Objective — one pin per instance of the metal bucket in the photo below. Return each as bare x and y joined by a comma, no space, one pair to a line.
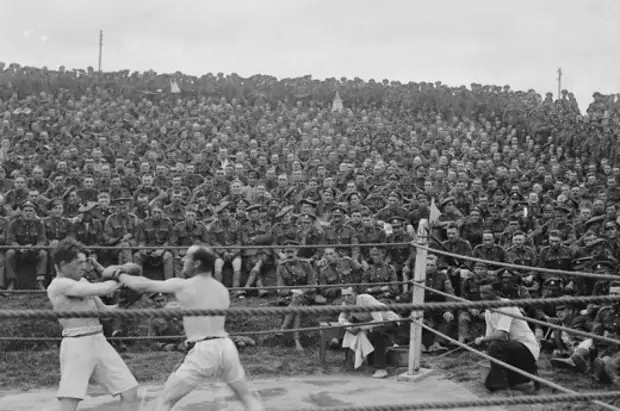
398,356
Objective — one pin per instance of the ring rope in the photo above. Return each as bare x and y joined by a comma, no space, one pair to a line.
510,367
326,309
532,320
481,402
266,288
236,334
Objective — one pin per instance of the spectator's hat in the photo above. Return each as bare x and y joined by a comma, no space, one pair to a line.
393,176
225,205
514,218
375,196
330,190
553,282
424,195
495,207
28,204
481,264
284,211
563,306
595,242
122,200
308,216
307,201
254,207
339,209
581,263
548,207
498,190
398,220
594,221
290,242
395,194
446,201
54,203
273,203
562,209
85,208
604,266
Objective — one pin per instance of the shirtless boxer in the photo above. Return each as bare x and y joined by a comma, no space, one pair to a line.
213,353
84,351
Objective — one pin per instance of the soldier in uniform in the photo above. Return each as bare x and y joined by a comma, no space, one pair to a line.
456,245
401,257
441,321
24,232
88,230
555,256
293,272
337,232
309,234
336,270
495,223
185,234
572,351
490,251
520,254
120,230
473,318
10,285
255,233
57,227
379,271
155,231
369,233
225,231
283,230
175,210
166,327
606,367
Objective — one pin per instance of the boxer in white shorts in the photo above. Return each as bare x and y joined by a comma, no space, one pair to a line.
84,351
213,353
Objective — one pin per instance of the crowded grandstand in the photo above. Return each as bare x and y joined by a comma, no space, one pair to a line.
147,164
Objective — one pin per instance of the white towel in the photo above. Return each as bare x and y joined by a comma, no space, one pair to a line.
360,344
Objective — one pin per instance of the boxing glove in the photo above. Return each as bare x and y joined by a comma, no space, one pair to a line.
131,269
111,273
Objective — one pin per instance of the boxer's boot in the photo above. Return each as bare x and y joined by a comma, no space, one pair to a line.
296,337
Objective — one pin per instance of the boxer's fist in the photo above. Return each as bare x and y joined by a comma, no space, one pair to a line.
131,269
111,273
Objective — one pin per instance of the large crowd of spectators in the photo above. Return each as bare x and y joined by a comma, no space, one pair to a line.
117,159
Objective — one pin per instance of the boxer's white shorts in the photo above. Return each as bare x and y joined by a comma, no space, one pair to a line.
92,355
216,358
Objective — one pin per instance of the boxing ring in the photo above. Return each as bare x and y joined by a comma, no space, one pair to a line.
417,308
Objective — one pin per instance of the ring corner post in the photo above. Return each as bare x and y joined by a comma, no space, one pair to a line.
414,371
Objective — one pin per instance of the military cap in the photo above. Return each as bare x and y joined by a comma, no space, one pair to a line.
424,195
603,266
495,207
445,201
27,204
580,262
225,205
290,242
393,176
122,199
553,282
548,207
307,201
563,306
594,220
340,209
562,209
514,218
308,215
595,242
497,190
525,177
85,208
395,194
253,207
330,190
397,220
284,211
481,264
375,196
158,296
515,197
54,203
273,203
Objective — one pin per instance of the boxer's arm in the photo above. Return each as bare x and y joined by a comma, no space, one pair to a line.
85,289
102,306
141,284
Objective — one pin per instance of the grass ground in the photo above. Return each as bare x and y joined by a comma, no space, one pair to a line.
26,366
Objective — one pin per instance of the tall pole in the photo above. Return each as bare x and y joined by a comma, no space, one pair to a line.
559,82
100,48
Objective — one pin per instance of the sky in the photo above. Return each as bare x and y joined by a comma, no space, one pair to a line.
521,43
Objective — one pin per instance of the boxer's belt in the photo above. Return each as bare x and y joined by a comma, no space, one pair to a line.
190,344
88,334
